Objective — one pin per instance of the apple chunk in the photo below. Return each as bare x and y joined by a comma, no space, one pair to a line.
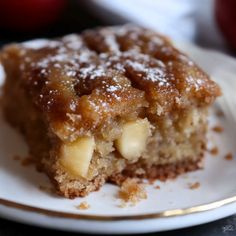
76,156
132,141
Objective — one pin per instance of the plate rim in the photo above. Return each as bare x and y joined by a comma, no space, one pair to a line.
92,217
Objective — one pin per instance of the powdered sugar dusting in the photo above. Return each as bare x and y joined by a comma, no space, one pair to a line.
65,58
2,75
151,74
113,88
128,59
73,41
110,40
92,72
71,73
40,43
157,40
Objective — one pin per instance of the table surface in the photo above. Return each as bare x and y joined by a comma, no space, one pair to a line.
225,227
75,19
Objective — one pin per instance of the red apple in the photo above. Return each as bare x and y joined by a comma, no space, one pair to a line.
226,18
29,15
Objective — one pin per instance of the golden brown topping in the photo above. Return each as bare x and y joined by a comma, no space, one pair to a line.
107,73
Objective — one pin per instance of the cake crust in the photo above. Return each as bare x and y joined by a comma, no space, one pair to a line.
160,172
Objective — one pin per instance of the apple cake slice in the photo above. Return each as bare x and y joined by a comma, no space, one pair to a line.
105,105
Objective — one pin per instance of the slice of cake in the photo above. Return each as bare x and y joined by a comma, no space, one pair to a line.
108,104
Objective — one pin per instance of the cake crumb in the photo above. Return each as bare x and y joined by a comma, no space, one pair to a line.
214,151
83,206
16,158
131,192
220,113
229,156
218,129
194,185
27,161
157,187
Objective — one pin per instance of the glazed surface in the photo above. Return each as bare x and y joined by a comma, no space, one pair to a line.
110,71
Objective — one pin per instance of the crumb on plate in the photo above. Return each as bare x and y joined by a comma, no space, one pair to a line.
214,151
218,129
83,206
194,185
229,156
220,113
131,192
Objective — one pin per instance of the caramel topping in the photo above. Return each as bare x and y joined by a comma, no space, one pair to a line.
109,72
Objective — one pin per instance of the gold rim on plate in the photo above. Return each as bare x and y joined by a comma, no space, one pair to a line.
164,214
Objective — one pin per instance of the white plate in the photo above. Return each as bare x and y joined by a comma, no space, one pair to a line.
173,206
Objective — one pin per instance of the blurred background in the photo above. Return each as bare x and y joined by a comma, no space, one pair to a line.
208,23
